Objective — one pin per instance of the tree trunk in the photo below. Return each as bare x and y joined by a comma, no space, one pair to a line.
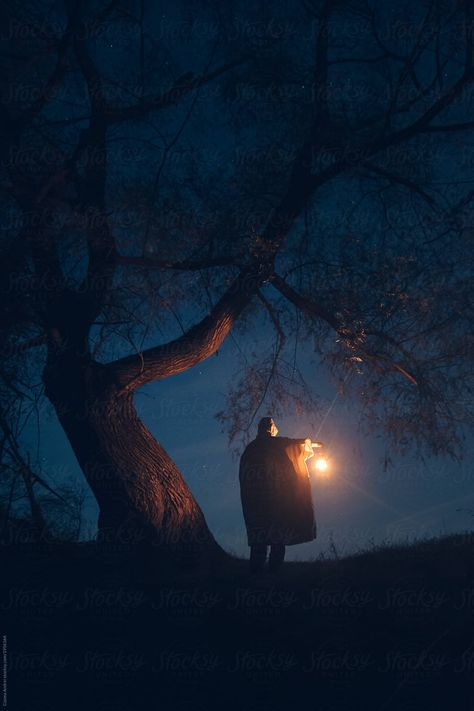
143,498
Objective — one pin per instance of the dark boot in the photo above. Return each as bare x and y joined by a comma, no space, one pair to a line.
258,556
277,555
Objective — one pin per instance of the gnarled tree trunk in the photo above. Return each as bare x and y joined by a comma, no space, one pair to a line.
142,496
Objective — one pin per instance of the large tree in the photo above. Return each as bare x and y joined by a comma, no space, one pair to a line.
170,173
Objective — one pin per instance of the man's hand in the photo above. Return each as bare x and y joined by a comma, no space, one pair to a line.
310,445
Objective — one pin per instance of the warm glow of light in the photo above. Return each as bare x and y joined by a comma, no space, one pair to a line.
321,464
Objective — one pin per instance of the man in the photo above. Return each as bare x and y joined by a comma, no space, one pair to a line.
276,494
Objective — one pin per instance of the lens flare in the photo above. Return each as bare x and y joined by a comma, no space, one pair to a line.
321,464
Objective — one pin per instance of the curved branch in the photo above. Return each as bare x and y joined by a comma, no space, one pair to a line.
195,345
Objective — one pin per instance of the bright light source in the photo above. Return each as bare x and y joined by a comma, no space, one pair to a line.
321,464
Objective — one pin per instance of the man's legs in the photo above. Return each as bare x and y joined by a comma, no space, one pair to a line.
277,555
258,556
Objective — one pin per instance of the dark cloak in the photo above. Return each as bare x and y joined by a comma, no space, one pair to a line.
276,492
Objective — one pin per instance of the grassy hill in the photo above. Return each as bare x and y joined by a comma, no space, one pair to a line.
389,629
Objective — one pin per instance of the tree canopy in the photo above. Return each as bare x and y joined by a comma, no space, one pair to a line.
172,174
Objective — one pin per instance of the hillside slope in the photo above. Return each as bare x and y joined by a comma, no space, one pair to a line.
388,629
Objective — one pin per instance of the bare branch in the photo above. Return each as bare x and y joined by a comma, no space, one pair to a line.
400,179
312,308
182,86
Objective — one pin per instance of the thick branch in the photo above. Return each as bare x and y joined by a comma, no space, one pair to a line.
303,303
100,241
194,346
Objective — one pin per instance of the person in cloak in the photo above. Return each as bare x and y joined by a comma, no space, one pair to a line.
276,494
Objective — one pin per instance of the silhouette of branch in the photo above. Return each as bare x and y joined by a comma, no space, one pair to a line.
182,86
183,264
100,240
314,309
400,179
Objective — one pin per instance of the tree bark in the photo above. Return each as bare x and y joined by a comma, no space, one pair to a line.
142,496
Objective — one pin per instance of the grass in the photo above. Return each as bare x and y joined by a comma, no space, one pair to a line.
390,628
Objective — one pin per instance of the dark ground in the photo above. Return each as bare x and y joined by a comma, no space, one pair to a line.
388,629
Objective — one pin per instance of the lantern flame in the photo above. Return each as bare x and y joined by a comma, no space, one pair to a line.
321,464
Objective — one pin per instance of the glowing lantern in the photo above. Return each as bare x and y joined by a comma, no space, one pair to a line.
320,461
321,464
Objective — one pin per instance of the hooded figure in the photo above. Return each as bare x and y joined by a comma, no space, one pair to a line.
276,494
